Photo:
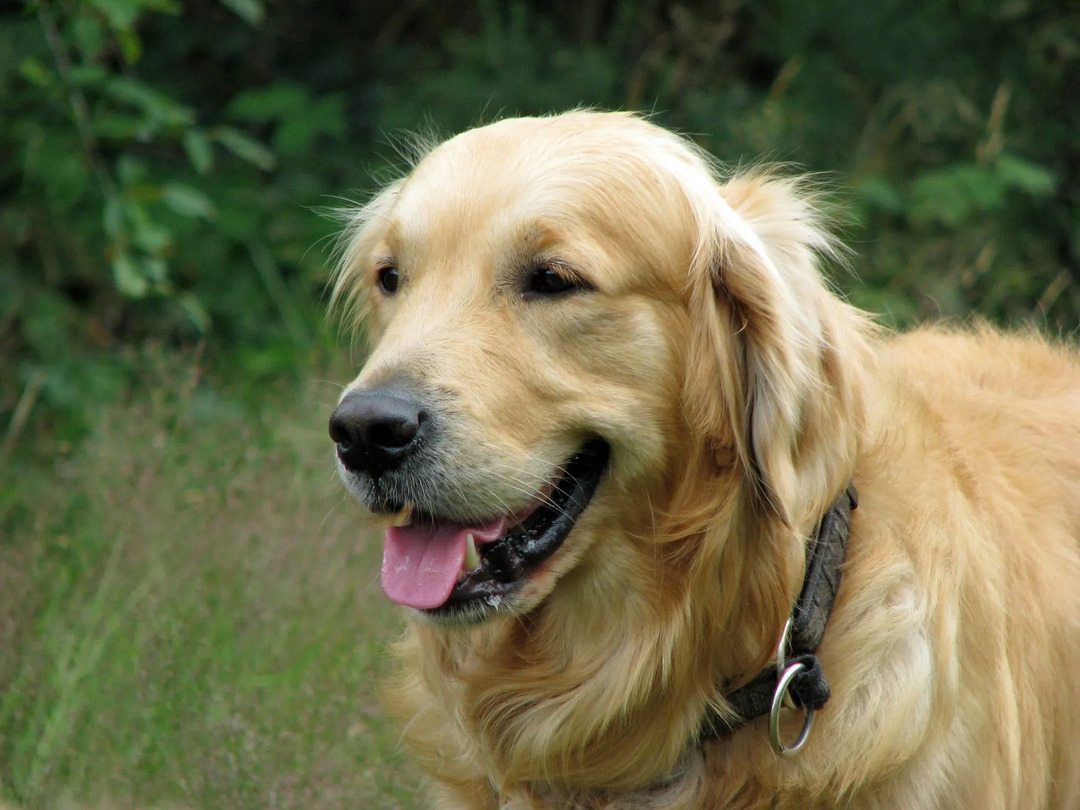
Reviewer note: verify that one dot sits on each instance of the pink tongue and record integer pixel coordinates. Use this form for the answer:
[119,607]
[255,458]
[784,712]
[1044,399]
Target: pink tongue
[422,561]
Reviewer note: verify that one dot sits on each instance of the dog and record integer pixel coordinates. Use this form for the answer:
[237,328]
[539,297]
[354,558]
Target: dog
[613,416]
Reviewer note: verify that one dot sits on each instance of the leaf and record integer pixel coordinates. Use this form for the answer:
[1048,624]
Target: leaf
[155,104]
[113,216]
[87,75]
[300,116]
[120,14]
[147,234]
[957,193]
[251,11]
[296,134]
[154,270]
[187,201]
[279,100]
[126,276]
[1018,172]
[244,147]
[954,194]
[36,73]
[163,6]
[66,179]
[195,311]
[88,35]
[130,45]
[198,151]
[131,170]
[113,126]
[879,193]
[45,323]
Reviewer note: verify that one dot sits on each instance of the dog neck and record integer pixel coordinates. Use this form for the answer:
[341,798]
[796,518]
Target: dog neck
[803,633]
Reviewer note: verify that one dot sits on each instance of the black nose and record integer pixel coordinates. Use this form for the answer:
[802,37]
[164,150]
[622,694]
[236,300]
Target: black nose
[377,430]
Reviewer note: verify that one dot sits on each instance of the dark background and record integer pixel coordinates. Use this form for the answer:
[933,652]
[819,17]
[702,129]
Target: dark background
[163,163]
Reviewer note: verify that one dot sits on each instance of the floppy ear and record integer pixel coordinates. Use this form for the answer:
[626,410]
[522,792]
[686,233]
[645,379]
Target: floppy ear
[783,351]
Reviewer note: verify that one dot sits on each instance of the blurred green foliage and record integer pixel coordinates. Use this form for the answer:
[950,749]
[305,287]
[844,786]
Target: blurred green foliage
[162,162]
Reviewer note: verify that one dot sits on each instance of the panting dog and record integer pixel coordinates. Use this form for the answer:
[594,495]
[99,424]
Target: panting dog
[676,527]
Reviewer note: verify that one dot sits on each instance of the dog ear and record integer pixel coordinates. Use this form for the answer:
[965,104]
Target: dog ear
[349,296]
[783,349]
[351,284]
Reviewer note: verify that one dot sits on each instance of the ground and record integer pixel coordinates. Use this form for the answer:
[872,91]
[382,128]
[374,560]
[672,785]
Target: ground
[190,615]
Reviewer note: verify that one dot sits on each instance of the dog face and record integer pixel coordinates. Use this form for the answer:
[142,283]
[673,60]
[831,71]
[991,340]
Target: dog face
[569,322]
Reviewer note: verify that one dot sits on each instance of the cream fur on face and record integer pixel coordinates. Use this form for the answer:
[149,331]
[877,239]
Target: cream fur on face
[540,286]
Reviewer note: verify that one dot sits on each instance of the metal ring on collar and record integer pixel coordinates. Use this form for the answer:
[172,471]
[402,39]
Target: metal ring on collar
[781,649]
[787,751]
[781,660]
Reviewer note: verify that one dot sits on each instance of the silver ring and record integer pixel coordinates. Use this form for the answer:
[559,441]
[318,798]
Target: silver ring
[787,751]
[781,649]
[781,660]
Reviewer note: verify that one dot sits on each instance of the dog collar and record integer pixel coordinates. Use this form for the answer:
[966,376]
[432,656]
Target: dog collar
[796,680]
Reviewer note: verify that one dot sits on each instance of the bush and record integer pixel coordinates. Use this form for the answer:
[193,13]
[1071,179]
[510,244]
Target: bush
[167,160]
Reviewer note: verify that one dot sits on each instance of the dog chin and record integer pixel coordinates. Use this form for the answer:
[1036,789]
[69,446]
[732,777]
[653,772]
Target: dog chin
[471,614]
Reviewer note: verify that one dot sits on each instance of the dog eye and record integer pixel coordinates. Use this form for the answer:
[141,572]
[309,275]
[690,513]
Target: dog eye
[388,279]
[547,281]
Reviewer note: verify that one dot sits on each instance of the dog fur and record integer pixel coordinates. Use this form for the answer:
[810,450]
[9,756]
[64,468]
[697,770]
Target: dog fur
[739,396]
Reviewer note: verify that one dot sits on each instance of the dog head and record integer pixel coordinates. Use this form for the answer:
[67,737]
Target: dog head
[583,344]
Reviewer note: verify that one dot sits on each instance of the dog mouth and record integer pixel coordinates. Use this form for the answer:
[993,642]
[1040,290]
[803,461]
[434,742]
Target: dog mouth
[442,567]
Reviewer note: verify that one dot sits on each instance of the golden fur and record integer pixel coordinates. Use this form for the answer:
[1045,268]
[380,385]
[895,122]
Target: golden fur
[739,396]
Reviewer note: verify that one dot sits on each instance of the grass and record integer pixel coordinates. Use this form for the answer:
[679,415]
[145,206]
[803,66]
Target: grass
[190,615]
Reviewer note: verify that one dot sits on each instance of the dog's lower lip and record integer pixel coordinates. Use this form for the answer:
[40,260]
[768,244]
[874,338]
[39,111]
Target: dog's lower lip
[506,562]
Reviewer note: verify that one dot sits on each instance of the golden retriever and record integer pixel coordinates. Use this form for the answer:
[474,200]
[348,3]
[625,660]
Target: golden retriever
[608,400]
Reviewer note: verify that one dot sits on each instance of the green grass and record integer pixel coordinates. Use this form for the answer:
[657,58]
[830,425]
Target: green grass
[190,615]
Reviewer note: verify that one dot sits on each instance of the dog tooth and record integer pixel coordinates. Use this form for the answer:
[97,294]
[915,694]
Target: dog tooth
[472,556]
